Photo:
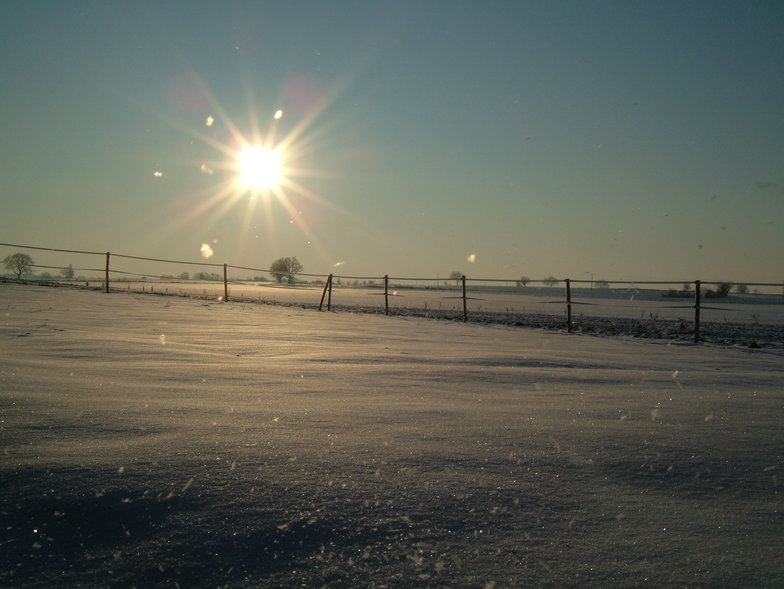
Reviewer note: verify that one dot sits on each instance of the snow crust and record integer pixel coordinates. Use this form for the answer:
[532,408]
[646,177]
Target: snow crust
[159,440]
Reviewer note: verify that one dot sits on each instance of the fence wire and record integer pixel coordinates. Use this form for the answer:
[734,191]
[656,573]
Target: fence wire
[723,313]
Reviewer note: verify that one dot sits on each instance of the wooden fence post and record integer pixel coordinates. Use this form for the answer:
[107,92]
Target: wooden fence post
[696,311]
[108,255]
[225,284]
[568,305]
[329,294]
[386,294]
[324,294]
[465,307]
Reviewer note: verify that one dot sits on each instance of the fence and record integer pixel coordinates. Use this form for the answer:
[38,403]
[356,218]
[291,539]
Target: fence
[642,309]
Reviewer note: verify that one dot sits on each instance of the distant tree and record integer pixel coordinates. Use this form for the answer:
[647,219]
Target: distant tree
[686,287]
[285,268]
[68,273]
[742,289]
[45,275]
[184,276]
[18,263]
[524,280]
[550,281]
[724,289]
[602,284]
[457,276]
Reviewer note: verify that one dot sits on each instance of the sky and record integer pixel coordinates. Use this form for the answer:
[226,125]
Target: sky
[606,140]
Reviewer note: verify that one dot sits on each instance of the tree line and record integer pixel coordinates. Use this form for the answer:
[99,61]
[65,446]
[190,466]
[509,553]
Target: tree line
[20,263]
[288,267]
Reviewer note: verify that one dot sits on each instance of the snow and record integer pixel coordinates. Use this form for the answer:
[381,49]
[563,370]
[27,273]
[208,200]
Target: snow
[158,440]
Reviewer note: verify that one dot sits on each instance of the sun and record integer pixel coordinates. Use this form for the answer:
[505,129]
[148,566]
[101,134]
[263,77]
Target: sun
[259,168]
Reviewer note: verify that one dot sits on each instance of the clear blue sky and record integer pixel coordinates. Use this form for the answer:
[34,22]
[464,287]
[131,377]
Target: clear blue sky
[628,140]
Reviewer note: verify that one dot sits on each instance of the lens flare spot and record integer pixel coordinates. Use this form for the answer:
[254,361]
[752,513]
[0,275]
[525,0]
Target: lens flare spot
[210,121]
[278,114]
[157,174]
[471,258]
[206,251]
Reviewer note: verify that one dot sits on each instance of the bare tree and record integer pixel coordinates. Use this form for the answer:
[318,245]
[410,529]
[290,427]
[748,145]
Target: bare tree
[68,273]
[457,276]
[550,281]
[285,268]
[724,289]
[18,263]
[524,280]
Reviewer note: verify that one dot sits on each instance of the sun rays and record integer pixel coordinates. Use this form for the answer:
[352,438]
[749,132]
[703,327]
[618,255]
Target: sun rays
[254,175]
[250,174]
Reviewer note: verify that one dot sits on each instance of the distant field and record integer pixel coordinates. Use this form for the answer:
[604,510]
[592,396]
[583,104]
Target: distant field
[631,304]
[747,320]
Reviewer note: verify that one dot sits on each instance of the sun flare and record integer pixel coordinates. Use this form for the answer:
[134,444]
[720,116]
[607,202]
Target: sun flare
[259,168]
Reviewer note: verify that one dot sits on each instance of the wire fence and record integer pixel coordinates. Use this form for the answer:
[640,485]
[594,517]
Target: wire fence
[722,312]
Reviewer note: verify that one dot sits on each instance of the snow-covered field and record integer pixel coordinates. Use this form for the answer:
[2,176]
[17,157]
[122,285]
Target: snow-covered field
[169,441]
